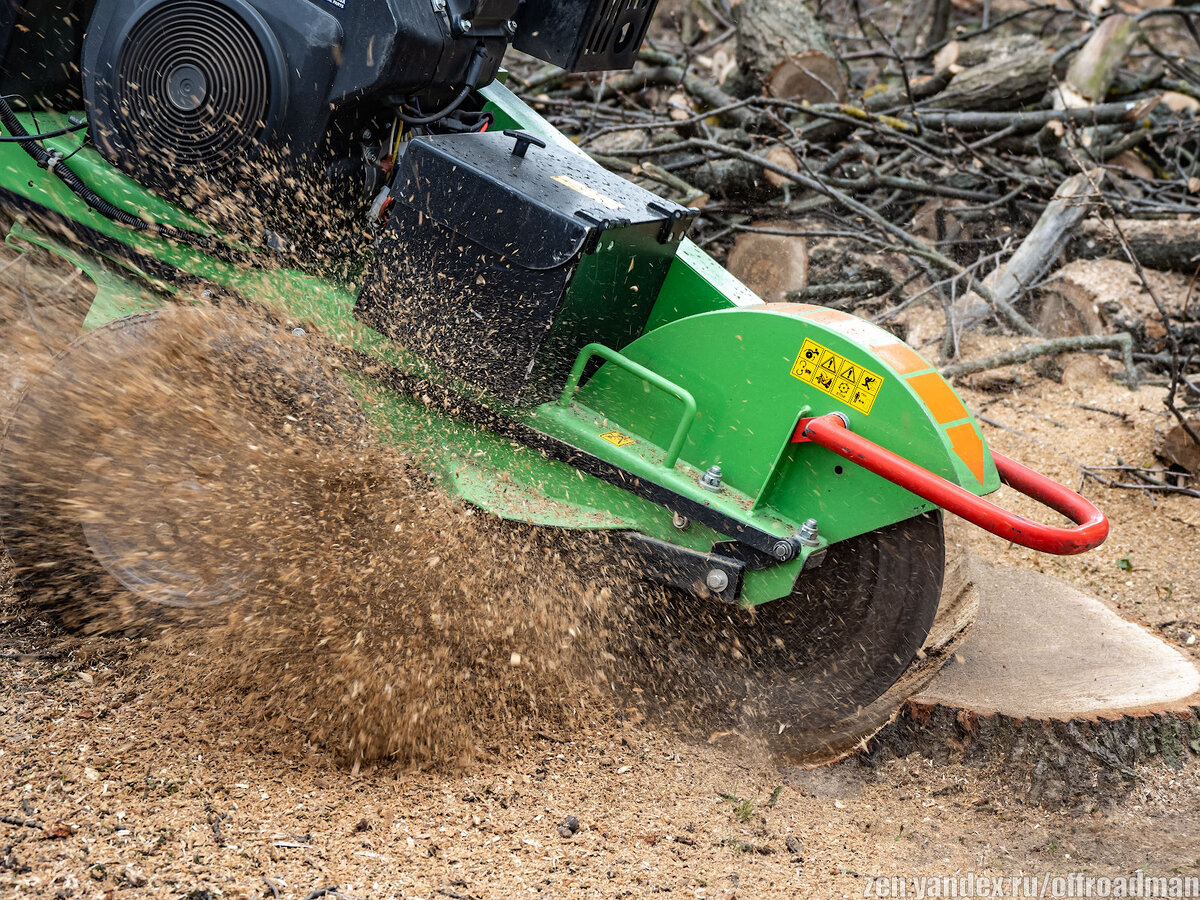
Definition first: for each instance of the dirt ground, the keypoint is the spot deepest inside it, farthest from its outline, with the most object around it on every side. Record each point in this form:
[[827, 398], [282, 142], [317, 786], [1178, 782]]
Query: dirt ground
[[124, 774]]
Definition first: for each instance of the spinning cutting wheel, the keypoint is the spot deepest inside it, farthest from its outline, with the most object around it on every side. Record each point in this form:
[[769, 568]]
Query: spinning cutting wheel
[[146, 459]]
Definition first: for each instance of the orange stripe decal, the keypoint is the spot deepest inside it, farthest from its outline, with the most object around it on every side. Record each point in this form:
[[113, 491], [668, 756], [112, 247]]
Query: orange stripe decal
[[901, 357], [793, 308], [969, 446], [827, 316], [943, 403]]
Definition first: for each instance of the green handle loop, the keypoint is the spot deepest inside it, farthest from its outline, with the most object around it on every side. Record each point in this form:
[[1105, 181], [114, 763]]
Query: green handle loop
[[624, 362]]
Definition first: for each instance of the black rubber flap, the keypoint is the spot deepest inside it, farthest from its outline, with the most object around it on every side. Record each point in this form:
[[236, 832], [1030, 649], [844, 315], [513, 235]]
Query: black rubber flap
[[539, 210]]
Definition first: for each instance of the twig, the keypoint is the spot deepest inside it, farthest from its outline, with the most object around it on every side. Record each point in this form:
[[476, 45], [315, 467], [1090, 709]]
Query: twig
[[1141, 470], [272, 886], [19, 822], [1153, 485], [1116, 414]]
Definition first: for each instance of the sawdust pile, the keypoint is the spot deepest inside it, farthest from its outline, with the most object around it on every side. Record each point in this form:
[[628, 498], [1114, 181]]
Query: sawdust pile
[[305, 582]]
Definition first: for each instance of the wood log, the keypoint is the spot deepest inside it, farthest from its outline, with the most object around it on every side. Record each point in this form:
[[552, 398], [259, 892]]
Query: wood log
[[1097, 296], [1094, 67], [924, 25], [1055, 691], [1172, 244], [964, 54], [1080, 299], [732, 179], [814, 77], [780, 156], [771, 265], [1082, 372], [770, 31], [1004, 81]]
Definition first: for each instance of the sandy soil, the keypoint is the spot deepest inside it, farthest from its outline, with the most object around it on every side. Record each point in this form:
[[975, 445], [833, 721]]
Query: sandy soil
[[124, 773]]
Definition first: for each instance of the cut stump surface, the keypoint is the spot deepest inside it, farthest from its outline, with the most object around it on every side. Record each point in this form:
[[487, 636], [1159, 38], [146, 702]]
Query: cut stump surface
[[1056, 689], [1041, 649]]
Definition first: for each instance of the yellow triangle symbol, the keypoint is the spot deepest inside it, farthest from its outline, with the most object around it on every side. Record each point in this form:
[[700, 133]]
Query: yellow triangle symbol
[[830, 363]]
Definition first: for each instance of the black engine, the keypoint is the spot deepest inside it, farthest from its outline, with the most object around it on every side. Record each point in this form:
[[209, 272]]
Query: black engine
[[201, 84], [177, 89]]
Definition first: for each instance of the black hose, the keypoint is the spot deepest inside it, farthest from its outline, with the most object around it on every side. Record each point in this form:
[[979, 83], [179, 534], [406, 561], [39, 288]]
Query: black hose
[[45, 135], [53, 163], [441, 113], [479, 59]]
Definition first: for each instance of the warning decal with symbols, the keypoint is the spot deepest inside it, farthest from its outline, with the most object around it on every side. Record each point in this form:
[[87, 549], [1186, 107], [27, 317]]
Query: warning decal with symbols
[[617, 439], [837, 376]]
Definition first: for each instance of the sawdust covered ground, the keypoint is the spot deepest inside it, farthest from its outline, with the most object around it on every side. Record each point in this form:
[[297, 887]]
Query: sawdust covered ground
[[246, 760]]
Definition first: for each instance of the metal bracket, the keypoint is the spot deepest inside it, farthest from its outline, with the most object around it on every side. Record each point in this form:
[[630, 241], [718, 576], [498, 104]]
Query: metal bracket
[[689, 570]]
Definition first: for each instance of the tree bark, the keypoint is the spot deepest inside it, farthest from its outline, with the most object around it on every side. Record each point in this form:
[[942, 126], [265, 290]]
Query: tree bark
[[1005, 81], [1040, 248], [1095, 66], [771, 265]]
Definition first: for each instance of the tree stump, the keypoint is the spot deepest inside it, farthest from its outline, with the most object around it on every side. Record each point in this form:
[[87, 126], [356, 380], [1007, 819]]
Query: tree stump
[[1054, 689]]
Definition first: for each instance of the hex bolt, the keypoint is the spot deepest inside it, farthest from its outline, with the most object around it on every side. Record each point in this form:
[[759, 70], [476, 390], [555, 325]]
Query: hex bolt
[[809, 535], [717, 580], [680, 521], [713, 480]]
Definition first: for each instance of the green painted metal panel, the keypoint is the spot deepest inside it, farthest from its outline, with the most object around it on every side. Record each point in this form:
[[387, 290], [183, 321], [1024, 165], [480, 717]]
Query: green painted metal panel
[[739, 366]]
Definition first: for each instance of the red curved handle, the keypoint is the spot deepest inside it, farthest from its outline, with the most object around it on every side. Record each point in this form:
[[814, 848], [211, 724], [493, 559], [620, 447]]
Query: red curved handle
[[832, 433]]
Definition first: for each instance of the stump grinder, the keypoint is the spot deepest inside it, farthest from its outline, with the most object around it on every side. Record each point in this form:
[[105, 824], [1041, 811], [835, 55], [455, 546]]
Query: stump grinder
[[541, 330]]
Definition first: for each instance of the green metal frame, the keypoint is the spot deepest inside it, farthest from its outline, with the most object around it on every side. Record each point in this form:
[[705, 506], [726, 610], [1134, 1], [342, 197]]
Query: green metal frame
[[710, 382]]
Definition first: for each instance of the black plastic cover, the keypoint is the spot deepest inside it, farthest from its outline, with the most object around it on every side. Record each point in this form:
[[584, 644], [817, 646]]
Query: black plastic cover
[[40, 42], [165, 79], [584, 35], [540, 210], [501, 267]]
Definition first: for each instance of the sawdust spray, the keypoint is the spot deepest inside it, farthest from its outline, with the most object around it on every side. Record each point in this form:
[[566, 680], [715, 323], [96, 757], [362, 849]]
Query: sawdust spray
[[298, 573]]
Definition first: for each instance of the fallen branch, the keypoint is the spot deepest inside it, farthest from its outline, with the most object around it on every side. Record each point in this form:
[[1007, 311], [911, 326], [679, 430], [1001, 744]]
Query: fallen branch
[[917, 246], [1043, 244], [1029, 121], [1147, 484], [1075, 343]]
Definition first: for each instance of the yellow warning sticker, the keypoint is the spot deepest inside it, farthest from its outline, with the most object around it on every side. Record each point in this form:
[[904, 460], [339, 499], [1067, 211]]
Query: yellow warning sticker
[[589, 192], [837, 376], [617, 439]]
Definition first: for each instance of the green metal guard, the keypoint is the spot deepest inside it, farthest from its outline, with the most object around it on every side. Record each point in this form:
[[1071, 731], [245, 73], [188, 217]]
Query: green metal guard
[[624, 362]]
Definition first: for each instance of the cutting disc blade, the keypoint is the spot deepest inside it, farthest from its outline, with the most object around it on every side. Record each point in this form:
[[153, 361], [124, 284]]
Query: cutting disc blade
[[796, 670]]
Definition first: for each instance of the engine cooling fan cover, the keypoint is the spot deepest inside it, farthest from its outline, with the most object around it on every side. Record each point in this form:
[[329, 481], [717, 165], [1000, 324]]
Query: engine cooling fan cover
[[189, 88]]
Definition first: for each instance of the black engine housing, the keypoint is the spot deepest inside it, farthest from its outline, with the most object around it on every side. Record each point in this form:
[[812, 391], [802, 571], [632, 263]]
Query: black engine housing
[[199, 85]]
